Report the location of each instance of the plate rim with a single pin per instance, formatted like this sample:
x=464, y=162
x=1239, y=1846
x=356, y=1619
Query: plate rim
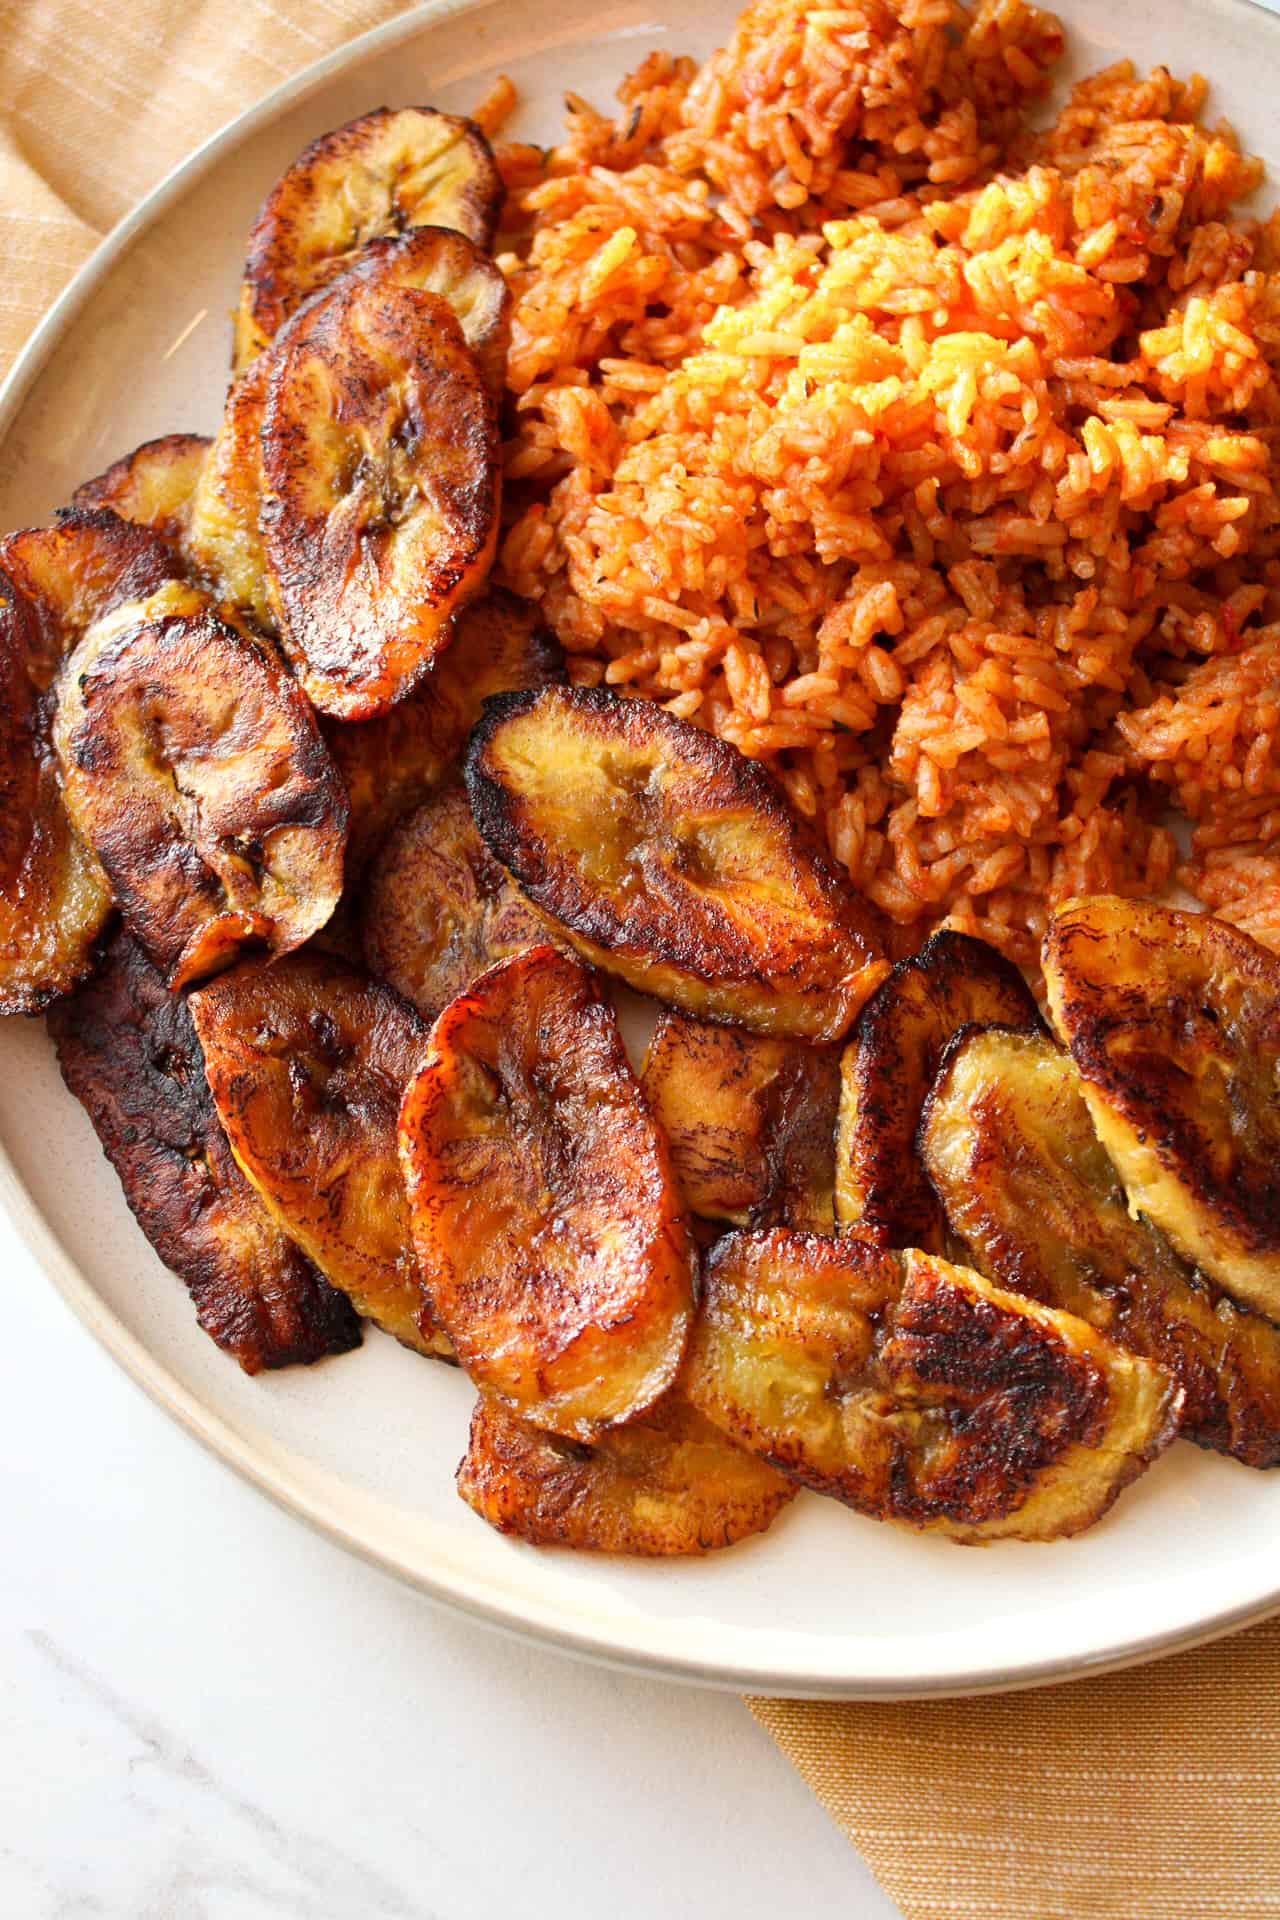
x=210, y=1428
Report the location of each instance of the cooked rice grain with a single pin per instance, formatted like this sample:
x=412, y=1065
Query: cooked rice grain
x=922, y=454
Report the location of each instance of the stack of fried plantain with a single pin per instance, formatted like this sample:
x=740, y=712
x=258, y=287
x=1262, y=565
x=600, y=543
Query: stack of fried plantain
x=225, y=671
x=330, y=880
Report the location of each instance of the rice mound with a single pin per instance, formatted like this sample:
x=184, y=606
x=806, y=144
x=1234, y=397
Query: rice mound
x=922, y=451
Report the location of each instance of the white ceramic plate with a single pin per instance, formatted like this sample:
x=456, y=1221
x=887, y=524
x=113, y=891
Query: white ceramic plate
x=365, y=1446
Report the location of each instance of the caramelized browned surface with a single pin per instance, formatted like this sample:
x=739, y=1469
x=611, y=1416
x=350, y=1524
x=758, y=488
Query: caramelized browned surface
x=307, y=1061
x=153, y=486
x=438, y=909
x=54, y=898
x=129, y=1053
x=549, y=1231
x=889, y=1063
x=435, y=259
x=194, y=768
x=1011, y=1150
x=495, y=644
x=1173, y=1020
x=671, y=860
x=381, y=485
x=751, y=1121
x=664, y=1484
x=381, y=174
x=915, y=1391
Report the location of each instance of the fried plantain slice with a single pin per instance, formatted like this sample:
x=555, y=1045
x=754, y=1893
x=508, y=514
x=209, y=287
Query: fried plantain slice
x=129, y=1053
x=667, y=1483
x=195, y=769
x=388, y=171
x=381, y=481
x=751, y=1121
x=916, y=1391
x=1173, y=1020
x=1009, y=1145
x=307, y=1061
x=671, y=860
x=54, y=898
x=154, y=486
x=438, y=909
x=223, y=538
x=545, y=1216
x=74, y=572
x=223, y=541
x=390, y=764
x=888, y=1065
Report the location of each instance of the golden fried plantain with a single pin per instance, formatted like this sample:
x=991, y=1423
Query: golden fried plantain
x=194, y=768
x=751, y=1121
x=438, y=909
x=1009, y=1145
x=916, y=1391
x=54, y=898
x=129, y=1053
x=223, y=541
x=545, y=1215
x=671, y=860
x=381, y=485
x=1173, y=1020
x=389, y=765
x=891, y=1058
x=388, y=171
x=667, y=1483
x=153, y=486
x=307, y=1061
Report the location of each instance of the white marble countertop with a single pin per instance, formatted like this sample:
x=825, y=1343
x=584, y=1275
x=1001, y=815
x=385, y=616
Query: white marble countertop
x=211, y=1714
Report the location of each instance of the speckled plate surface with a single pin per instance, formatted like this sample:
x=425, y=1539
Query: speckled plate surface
x=365, y=1446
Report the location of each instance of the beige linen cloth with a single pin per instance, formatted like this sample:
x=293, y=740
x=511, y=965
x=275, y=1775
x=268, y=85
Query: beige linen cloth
x=1143, y=1796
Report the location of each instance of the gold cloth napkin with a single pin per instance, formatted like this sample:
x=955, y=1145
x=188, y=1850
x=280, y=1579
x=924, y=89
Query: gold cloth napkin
x=1145, y=1796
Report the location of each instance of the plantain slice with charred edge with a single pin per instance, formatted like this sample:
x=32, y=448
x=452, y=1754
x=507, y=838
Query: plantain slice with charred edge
x=224, y=542
x=671, y=860
x=307, y=1061
x=387, y=171
x=888, y=1065
x=438, y=909
x=73, y=572
x=195, y=769
x=750, y=1120
x=381, y=483
x=665, y=1484
x=54, y=898
x=497, y=644
x=153, y=486
x=129, y=1053
x=1173, y=1020
x=1009, y=1145
x=546, y=1219
x=916, y=1391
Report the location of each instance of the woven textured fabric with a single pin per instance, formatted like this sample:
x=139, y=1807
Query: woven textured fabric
x=1144, y=1796
x=98, y=102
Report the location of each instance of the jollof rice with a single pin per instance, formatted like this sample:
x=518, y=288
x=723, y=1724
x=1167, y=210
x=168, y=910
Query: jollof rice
x=921, y=453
